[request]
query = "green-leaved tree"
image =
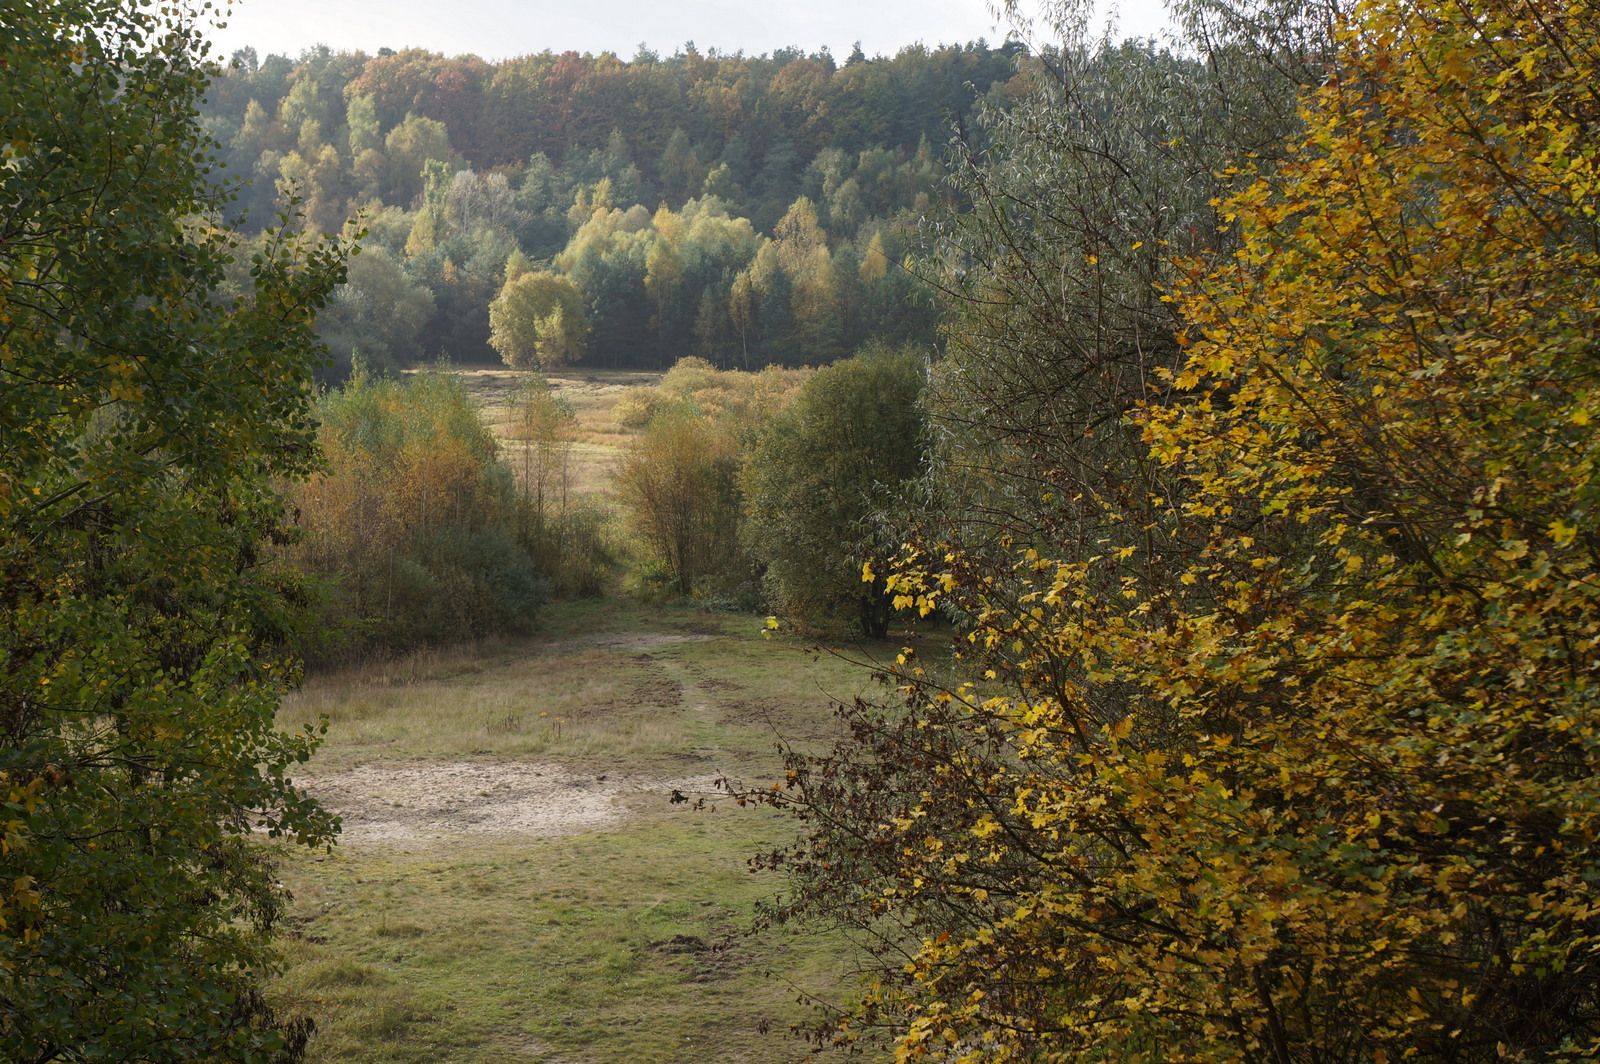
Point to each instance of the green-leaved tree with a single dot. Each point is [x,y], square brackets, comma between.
[144,416]
[822,473]
[538,320]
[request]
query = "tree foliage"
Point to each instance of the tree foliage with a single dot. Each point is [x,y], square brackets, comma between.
[678,483]
[820,479]
[415,522]
[1295,759]
[538,320]
[555,157]
[1083,193]
[144,413]
[377,315]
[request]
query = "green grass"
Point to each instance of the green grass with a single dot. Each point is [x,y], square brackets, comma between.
[618,946]
[657,689]
[621,944]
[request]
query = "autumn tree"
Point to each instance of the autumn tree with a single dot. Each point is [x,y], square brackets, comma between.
[1082,194]
[538,320]
[414,521]
[1293,760]
[678,485]
[606,260]
[146,414]
[408,148]
[562,538]
[564,148]
[541,425]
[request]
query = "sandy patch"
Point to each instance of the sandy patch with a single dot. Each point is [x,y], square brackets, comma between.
[423,801]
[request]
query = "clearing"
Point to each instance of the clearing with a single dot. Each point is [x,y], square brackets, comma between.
[514,881]
[596,438]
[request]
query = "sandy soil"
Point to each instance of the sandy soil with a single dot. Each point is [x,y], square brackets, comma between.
[437,801]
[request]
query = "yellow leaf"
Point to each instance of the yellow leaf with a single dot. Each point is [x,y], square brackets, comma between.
[1512,550]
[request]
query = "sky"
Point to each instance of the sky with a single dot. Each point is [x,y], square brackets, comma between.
[498,29]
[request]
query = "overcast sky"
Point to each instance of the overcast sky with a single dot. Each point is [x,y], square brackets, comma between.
[496,29]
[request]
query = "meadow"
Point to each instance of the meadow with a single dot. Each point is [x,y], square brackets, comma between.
[594,439]
[514,880]
[537,858]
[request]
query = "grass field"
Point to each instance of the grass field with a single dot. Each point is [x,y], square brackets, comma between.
[596,439]
[514,883]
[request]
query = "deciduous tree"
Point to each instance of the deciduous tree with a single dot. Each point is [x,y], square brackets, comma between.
[1294,759]
[537,320]
[678,482]
[822,474]
[144,416]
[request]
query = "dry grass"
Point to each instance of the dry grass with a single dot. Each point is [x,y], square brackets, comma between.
[592,395]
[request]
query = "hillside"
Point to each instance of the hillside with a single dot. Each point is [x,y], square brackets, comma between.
[744,209]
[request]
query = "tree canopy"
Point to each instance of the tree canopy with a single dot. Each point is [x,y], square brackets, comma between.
[561,158]
[145,411]
[538,320]
[820,480]
[1273,738]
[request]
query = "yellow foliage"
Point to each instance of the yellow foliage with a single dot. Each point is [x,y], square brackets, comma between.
[1329,788]
[414,521]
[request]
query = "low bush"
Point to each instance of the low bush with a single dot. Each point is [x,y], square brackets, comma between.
[414,529]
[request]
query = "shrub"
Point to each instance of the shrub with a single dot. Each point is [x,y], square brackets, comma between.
[822,474]
[580,557]
[414,525]
[678,483]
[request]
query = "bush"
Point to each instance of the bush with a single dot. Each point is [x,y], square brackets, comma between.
[738,401]
[414,528]
[822,474]
[651,580]
[636,407]
[580,556]
[678,484]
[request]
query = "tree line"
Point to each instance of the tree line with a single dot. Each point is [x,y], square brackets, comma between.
[652,186]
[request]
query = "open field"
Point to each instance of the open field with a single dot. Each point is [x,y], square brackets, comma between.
[592,396]
[514,882]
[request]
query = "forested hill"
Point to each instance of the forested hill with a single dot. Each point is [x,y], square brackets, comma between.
[748,210]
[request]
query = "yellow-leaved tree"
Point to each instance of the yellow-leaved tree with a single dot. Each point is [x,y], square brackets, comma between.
[1320,780]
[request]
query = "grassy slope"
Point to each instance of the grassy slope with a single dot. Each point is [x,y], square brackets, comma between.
[612,945]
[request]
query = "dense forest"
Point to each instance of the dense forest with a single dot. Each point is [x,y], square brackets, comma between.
[579,208]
